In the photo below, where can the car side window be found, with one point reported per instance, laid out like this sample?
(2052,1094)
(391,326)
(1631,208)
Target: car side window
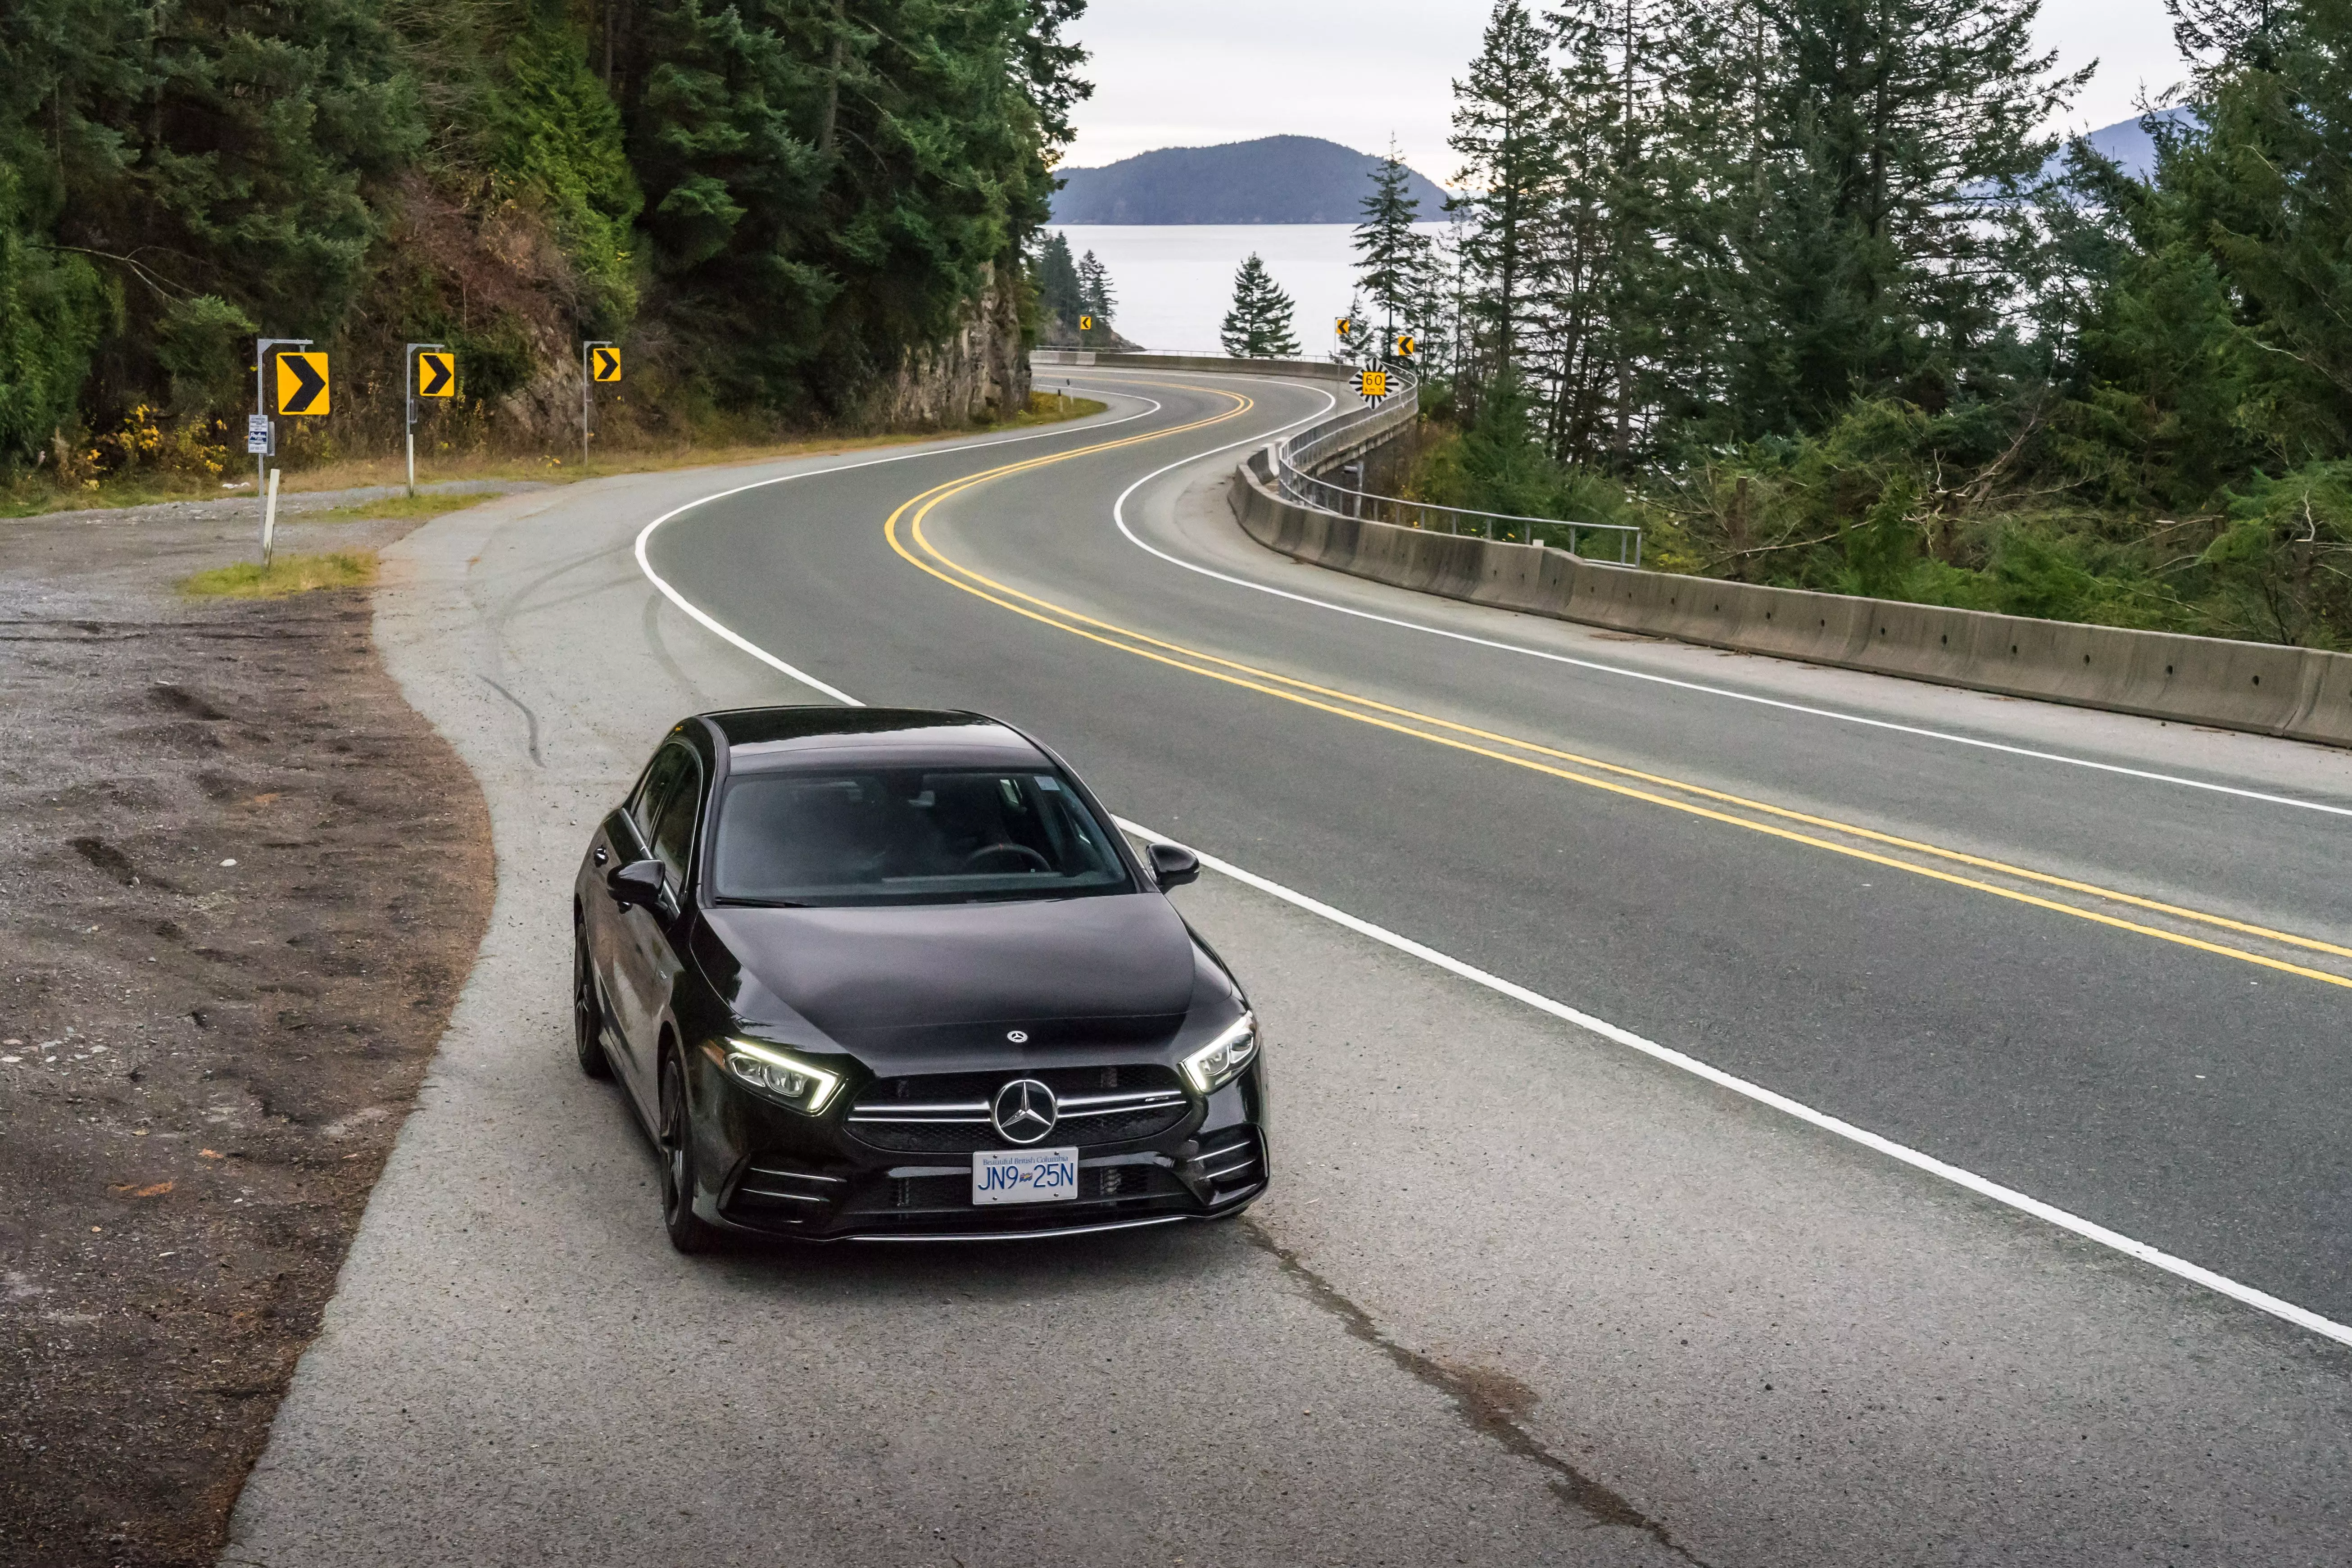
(647,803)
(673,834)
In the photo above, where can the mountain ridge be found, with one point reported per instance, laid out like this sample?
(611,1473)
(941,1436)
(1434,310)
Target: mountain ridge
(1267,180)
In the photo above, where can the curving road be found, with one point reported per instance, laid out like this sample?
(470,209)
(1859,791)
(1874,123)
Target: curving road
(1730,1111)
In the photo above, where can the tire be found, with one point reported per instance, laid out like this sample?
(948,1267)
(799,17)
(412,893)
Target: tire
(587,1015)
(688,1232)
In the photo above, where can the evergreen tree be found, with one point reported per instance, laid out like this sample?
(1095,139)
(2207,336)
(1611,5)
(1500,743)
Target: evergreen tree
(1592,365)
(1892,243)
(1392,258)
(2229,305)
(555,143)
(1096,299)
(171,169)
(1505,131)
(1261,323)
(1059,296)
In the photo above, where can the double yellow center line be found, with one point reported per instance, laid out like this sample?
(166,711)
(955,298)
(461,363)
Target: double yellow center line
(1632,784)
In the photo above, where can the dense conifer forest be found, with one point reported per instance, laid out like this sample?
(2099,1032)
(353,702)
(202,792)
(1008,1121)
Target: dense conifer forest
(789,212)
(1805,289)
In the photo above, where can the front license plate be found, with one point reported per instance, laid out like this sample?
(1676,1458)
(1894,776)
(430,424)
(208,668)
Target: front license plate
(1024,1176)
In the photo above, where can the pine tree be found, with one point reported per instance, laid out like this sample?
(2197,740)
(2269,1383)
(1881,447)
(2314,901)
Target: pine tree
(1506,132)
(1595,304)
(1892,244)
(1392,258)
(2257,197)
(1261,323)
(1059,296)
(1096,298)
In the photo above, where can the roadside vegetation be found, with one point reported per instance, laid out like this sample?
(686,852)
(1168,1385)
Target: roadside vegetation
(285,575)
(31,496)
(798,219)
(1800,290)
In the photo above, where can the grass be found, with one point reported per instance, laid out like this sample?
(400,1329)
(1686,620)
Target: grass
(401,506)
(284,575)
(31,498)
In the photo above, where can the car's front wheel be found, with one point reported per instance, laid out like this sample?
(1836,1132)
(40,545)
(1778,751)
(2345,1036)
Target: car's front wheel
(688,1232)
(587,1015)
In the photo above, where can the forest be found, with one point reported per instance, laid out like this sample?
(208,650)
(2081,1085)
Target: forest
(791,213)
(1804,288)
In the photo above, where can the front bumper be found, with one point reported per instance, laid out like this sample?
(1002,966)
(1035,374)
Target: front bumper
(776,1174)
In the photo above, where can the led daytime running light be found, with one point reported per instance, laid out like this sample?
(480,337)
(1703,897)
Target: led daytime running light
(800,1083)
(1221,1061)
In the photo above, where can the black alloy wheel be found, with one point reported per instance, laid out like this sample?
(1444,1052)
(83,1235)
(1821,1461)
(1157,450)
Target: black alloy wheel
(587,1017)
(688,1232)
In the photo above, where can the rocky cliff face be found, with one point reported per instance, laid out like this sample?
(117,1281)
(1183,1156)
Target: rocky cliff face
(980,373)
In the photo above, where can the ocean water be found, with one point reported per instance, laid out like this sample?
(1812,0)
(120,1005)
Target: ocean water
(1174,282)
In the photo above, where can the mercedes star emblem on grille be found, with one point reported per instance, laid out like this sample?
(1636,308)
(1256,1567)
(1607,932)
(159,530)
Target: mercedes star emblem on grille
(1018,1036)
(1024,1111)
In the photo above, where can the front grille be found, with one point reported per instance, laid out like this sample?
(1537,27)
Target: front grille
(947,1113)
(1063,1081)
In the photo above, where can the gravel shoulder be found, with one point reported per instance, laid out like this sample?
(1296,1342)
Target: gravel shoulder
(241,882)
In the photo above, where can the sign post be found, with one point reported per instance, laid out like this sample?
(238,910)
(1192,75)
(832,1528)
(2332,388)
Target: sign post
(599,360)
(260,431)
(433,376)
(270,517)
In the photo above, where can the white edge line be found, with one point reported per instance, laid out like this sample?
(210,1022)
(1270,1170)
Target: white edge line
(2220,1283)
(745,643)
(1119,516)
(2180,1268)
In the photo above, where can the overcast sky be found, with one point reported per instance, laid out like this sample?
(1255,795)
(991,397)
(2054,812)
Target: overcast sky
(1192,73)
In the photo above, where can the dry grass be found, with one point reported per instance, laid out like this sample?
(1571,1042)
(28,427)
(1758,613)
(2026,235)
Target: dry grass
(284,575)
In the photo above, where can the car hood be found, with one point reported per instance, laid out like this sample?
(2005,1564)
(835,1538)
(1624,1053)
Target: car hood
(1042,966)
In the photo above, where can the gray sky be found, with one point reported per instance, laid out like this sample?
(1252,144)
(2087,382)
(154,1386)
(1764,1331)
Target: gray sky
(1191,73)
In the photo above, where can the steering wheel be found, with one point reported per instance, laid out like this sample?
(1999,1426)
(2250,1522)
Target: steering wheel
(1008,849)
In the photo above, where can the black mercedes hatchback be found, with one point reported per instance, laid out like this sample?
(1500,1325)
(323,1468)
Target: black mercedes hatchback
(893,974)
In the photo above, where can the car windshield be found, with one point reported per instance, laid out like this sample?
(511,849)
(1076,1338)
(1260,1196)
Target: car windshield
(911,835)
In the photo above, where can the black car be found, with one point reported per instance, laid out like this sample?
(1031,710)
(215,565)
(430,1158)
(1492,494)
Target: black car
(893,973)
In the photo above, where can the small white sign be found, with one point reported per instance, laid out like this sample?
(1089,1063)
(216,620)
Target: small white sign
(257,435)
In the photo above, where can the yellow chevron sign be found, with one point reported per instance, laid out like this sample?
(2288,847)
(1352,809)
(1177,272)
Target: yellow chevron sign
(1407,345)
(1085,323)
(604,365)
(1344,327)
(436,374)
(302,383)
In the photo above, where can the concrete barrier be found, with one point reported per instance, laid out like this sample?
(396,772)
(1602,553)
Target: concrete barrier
(2302,694)
(1309,369)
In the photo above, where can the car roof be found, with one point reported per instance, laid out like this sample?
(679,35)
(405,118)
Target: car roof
(763,738)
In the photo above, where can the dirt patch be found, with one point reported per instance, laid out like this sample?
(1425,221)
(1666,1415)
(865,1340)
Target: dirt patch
(241,882)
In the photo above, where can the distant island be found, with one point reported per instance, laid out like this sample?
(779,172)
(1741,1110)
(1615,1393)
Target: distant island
(1275,179)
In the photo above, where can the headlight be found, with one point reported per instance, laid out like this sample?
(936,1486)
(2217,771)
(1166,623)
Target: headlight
(1220,1061)
(780,1075)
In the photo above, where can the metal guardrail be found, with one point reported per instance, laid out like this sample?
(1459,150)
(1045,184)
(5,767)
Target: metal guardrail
(1293,461)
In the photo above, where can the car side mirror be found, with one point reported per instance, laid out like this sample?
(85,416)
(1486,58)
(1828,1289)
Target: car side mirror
(1174,866)
(640,882)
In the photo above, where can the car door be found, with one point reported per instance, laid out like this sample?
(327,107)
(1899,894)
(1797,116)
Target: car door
(645,953)
(626,835)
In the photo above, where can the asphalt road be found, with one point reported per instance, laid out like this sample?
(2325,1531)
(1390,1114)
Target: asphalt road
(1521,1294)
